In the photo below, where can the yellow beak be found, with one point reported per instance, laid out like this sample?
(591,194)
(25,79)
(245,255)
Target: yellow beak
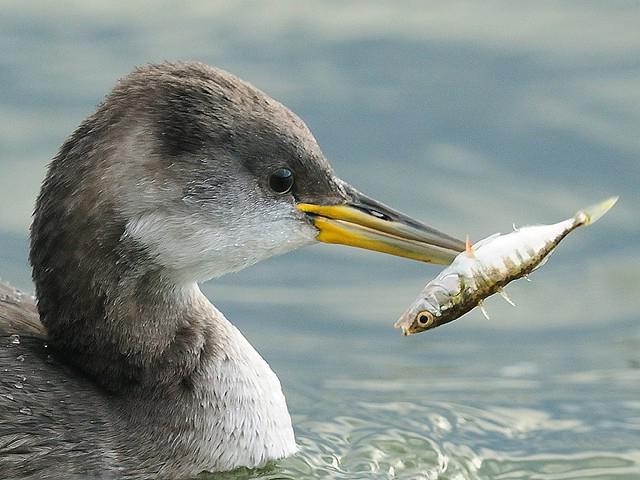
(365,223)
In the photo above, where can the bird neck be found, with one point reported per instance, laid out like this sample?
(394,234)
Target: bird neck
(126,323)
(126,330)
(227,411)
(178,371)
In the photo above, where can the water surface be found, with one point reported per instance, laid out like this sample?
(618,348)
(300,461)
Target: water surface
(469,115)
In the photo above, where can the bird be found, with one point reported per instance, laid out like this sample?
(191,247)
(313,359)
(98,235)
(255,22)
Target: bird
(119,366)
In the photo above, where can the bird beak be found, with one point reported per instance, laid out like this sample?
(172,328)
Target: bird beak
(365,223)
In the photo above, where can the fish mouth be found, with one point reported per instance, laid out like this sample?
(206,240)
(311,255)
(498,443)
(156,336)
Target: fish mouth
(363,222)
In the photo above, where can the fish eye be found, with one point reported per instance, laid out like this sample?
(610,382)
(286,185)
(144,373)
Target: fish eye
(281,181)
(425,318)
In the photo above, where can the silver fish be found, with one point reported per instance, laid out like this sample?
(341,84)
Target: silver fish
(487,266)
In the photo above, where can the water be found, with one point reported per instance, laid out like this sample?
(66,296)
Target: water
(470,116)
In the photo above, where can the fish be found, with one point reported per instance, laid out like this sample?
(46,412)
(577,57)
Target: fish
(487,266)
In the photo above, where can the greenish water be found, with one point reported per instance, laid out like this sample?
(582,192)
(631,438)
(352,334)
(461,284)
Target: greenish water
(469,115)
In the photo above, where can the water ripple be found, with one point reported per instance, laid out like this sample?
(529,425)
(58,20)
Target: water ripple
(441,440)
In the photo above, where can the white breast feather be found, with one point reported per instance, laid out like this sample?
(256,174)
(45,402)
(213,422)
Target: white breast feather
(240,417)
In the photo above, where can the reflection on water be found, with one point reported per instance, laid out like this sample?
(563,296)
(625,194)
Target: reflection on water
(469,115)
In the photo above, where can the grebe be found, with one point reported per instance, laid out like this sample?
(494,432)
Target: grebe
(184,173)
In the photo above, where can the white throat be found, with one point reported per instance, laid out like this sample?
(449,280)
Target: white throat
(196,248)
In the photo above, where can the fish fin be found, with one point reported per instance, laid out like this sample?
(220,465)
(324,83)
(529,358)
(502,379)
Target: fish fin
(504,295)
(515,227)
(526,277)
(468,247)
(483,310)
(591,214)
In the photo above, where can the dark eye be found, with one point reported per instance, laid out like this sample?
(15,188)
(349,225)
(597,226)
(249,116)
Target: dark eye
(425,318)
(281,180)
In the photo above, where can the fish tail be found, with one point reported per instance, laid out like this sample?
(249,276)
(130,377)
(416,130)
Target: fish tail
(591,214)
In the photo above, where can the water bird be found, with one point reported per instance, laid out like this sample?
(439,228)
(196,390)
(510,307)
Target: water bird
(123,368)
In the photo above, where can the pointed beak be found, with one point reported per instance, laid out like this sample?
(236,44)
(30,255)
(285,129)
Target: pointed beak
(366,223)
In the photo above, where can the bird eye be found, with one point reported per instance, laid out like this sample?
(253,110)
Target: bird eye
(281,180)
(425,318)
